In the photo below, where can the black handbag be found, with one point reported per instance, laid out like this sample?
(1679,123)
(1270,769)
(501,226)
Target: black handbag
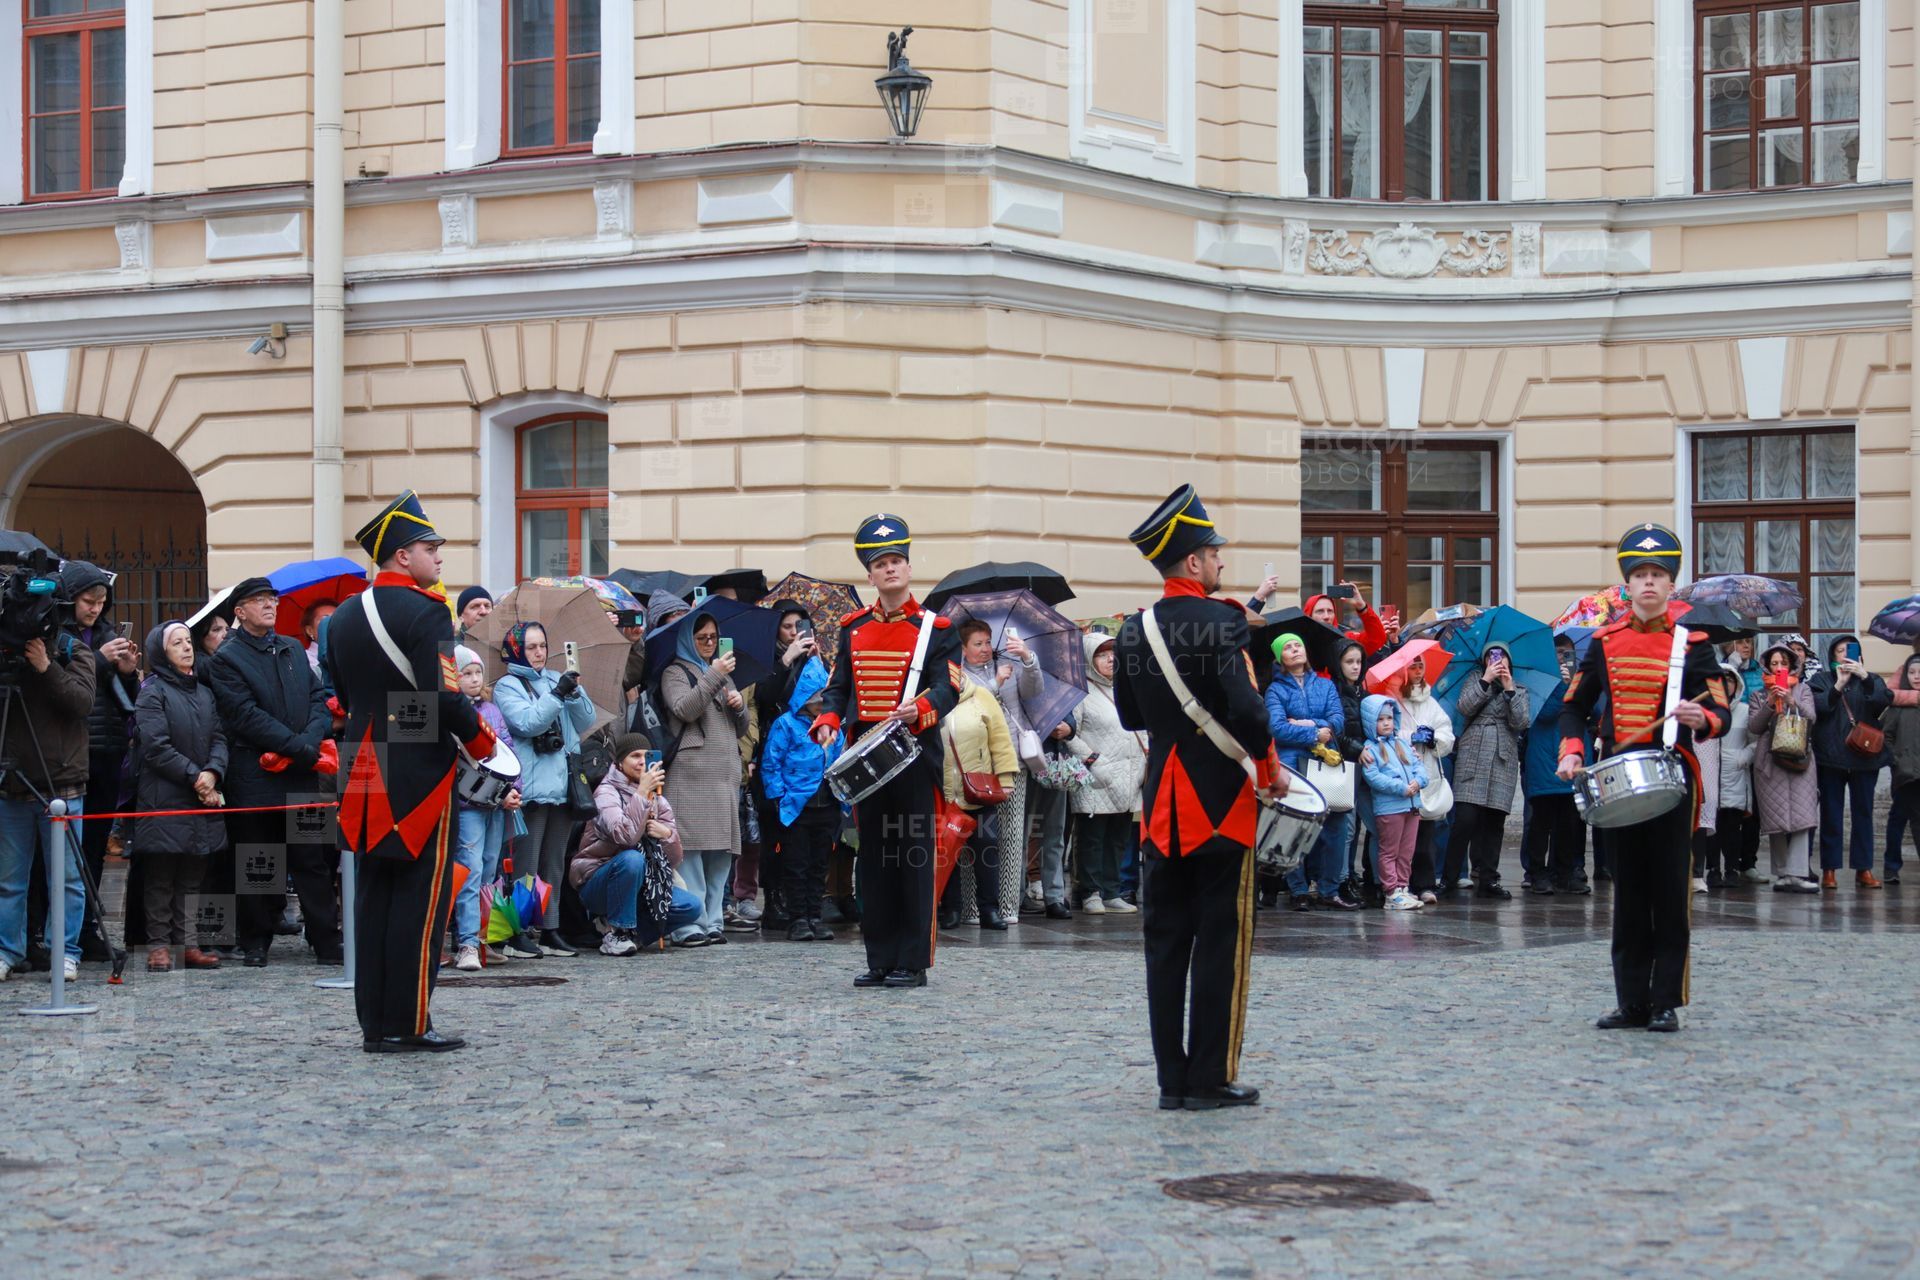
(585,769)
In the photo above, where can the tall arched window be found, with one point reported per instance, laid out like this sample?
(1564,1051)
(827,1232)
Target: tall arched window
(560,496)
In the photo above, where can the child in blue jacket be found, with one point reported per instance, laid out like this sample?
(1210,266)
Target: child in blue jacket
(793,773)
(1396,779)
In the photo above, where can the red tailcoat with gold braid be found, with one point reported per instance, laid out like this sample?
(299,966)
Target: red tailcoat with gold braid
(870,678)
(399,781)
(1627,663)
(1196,800)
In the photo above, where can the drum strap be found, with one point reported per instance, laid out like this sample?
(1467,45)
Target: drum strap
(1676,666)
(385,638)
(1228,745)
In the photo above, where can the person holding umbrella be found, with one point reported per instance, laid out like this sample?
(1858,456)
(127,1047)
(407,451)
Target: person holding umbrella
(1496,712)
(1184,675)
(874,685)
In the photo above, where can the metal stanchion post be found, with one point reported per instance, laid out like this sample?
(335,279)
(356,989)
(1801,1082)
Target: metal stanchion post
(347,926)
(57,1006)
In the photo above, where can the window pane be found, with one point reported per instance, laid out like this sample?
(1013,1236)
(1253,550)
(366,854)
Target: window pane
(1723,469)
(1422,44)
(530,26)
(1316,548)
(593,539)
(1830,465)
(1832,546)
(1836,92)
(543,544)
(1467,44)
(1473,548)
(546,457)
(1317,122)
(1777,467)
(590,453)
(1360,39)
(56,153)
(1334,479)
(110,68)
(109,147)
(1780,93)
(1472,584)
(1836,31)
(1366,576)
(1780,37)
(583,26)
(531,110)
(1315,579)
(1467,130)
(56,8)
(1360,128)
(1728,43)
(1426,589)
(1355,551)
(1449,480)
(583,98)
(1776,547)
(1836,152)
(1729,164)
(56,73)
(1423,549)
(1723,547)
(1729,99)
(105,6)
(1420,171)
(1781,158)
(1317,39)
(1833,604)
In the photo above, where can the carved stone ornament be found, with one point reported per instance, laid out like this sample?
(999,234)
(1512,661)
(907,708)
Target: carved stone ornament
(1408,252)
(1526,250)
(456,223)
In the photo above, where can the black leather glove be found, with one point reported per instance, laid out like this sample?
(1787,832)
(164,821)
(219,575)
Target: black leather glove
(569,683)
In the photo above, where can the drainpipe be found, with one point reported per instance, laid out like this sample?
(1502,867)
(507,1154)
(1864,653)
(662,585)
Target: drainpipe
(329,274)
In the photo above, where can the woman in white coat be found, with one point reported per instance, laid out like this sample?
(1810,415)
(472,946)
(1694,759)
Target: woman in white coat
(1735,818)
(1116,766)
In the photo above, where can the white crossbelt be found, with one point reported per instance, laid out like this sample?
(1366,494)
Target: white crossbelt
(381,634)
(1216,733)
(1670,734)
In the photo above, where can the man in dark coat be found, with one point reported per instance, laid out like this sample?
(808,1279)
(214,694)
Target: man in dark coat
(390,652)
(1201,802)
(277,722)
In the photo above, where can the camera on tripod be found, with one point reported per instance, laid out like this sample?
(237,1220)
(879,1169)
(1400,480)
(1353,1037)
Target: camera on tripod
(29,604)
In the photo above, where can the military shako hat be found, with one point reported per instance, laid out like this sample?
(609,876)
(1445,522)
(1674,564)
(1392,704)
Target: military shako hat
(1653,544)
(402,523)
(1179,527)
(882,535)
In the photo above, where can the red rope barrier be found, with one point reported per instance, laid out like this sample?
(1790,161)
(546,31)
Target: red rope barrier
(200,813)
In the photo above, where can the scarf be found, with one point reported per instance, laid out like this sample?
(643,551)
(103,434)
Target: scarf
(513,649)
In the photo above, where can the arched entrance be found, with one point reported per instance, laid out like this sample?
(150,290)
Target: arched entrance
(113,495)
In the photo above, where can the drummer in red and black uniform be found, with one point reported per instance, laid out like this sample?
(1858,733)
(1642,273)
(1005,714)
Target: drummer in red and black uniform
(390,654)
(1201,806)
(1628,663)
(869,689)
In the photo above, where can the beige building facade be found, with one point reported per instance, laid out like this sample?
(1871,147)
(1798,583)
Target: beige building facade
(1439,298)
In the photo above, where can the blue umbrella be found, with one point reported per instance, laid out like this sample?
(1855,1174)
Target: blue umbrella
(305,583)
(1530,652)
(755,633)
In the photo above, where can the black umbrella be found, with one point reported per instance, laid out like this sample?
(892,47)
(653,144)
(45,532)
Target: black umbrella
(1719,623)
(1323,642)
(671,581)
(17,545)
(755,634)
(749,584)
(993,576)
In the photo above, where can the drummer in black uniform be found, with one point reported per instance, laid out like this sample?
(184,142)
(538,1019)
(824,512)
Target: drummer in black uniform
(1629,663)
(390,653)
(1201,801)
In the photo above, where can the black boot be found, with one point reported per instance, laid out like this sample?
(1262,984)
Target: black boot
(1633,1015)
(990,918)
(800,931)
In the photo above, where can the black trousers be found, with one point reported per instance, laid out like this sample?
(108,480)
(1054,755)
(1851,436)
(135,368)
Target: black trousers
(315,870)
(1421,875)
(1652,901)
(103,796)
(400,912)
(895,866)
(1475,842)
(1556,841)
(1196,916)
(803,850)
(1736,829)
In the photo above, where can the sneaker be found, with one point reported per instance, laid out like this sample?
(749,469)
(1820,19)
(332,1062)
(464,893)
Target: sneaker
(1794,884)
(696,939)
(715,938)
(1120,906)
(6,970)
(1093,906)
(552,944)
(495,955)
(749,911)
(468,961)
(72,970)
(1427,899)
(1754,875)
(1699,884)
(740,922)
(1401,900)
(616,942)
(521,947)
(1464,882)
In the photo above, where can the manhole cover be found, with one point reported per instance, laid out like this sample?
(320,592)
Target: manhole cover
(505,980)
(1295,1191)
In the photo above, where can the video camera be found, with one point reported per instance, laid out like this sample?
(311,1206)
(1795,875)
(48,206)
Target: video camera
(29,604)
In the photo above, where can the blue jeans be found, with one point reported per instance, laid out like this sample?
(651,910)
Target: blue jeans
(1326,862)
(686,909)
(1846,794)
(706,874)
(25,829)
(479,833)
(613,890)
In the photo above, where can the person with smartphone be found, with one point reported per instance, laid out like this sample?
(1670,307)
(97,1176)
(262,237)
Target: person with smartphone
(1847,749)
(1344,598)
(710,716)
(1494,711)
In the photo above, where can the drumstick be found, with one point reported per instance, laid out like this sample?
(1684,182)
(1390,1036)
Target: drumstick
(1646,733)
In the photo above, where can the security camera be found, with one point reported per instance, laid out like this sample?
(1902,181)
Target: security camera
(259,345)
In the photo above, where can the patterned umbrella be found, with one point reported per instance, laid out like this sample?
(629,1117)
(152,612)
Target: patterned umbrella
(825,602)
(613,597)
(1746,594)
(1442,624)
(1055,640)
(1603,607)
(1899,622)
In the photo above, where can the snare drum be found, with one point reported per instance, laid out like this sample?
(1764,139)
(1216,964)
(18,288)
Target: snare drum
(1289,827)
(484,785)
(871,763)
(1630,787)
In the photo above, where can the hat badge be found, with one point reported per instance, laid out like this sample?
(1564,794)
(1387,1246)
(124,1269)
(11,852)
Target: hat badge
(1648,544)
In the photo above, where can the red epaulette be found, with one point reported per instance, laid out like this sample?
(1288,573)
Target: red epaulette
(855,616)
(941,622)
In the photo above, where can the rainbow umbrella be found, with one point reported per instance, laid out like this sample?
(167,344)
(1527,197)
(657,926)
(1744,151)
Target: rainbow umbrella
(1600,609)
(530,897)
(614,598)
(498,918)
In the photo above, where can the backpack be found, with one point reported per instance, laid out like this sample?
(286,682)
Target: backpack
(648,717)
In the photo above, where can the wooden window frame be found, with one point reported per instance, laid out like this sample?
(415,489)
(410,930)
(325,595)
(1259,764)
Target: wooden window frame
(1757,123)
(85,23)
(1391,18)
(574,500)
(1752,511)
(1394,524)
(561,60)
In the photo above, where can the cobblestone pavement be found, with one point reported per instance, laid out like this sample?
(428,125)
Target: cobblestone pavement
(743,1111)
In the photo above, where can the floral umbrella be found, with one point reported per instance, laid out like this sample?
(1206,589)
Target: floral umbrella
(1603,607)
(614,598)
(1746,594)
(1899,622)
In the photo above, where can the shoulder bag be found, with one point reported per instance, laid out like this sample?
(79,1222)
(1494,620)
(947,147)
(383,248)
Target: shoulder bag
(1863,739)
